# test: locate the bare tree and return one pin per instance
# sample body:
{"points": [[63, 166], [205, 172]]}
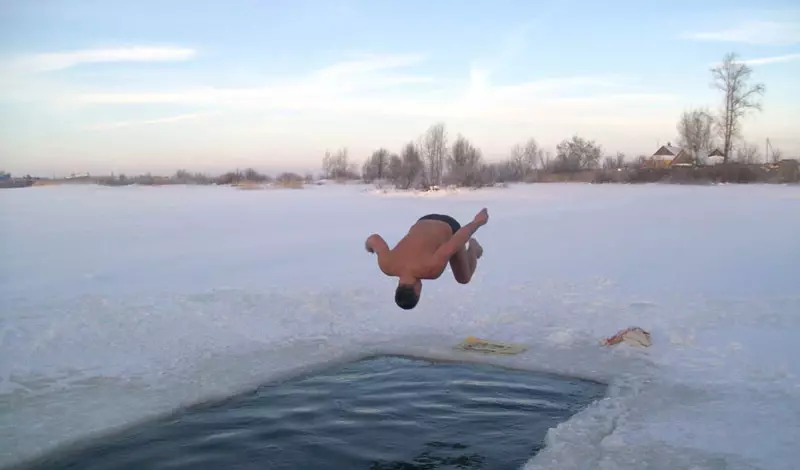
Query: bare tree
{"points": [[407, 169], [464, 163], [524, 158], [503, 172], [290, 177], [577, 154], [613, 163], [338, 165], [695, 131], [747, 153], [328, 165], [434, 152], [376, 166], [777, 154], [182, 176], [251, 174], [516, 162], [395, 168], [488, 174], [229, 178], [546, 159], [731, 77]]}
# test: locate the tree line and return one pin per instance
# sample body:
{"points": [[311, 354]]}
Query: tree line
{"points": [[432, 160], [248, 175]]}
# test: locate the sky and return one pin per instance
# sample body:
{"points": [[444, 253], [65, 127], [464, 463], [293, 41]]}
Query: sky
{"points": [[120, 86]]}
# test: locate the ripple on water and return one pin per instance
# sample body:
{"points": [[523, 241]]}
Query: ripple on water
{"points": [[385, 413]]}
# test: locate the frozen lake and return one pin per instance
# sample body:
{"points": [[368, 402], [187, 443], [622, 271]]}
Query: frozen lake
{"points": [[119, 304]]}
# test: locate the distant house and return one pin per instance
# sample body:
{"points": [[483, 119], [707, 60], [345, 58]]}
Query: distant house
{"points": [[787, 170], [669, 155], [714, 157]]}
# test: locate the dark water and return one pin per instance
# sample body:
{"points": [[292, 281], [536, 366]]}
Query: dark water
{"points": [[385, 413]]}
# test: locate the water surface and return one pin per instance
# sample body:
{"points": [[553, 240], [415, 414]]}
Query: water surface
{"points": [[376, 414]]}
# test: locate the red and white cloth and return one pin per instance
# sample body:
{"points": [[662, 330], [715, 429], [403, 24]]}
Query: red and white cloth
{"points": [[634, 336]]}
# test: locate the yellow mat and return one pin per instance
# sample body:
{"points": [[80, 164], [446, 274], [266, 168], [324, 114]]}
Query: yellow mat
{"points": [[490, 347]]}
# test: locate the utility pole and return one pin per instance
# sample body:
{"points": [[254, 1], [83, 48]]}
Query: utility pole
{"points": [[767, 151]]}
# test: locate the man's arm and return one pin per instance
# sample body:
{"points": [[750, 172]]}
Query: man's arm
{"points": [[460, 238], [376, 244], [456, 242]]}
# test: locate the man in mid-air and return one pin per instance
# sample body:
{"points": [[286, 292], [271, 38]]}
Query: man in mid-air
{"points": [[432, 242]]}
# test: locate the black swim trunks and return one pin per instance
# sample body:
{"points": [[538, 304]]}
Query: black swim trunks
{"points": [[453, 223]]}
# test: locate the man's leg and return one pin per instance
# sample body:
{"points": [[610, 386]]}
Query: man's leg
{"points": [[464, 262]]}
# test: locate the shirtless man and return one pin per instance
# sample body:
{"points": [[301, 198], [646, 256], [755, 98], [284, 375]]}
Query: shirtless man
{"points": [[432, 242]]}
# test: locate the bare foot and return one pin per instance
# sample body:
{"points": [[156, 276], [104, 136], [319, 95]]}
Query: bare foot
{"points": [[477, 247]]}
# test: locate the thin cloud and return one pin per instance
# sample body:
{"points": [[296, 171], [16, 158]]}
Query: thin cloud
{"points": [[516, 39], [499, 103], [164, 120], [753, 32], [610, 99], [369, 63], [343, 79], [547, 86], [772, 60], [386, 85], [764, 60], [367, 71], [63, 60], [511, 47]]}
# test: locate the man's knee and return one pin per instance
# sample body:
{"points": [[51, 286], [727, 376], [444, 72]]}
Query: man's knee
{"points": [[462, 277]]}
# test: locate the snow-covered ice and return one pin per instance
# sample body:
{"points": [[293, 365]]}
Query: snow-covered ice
{"points": [[122, 303]]}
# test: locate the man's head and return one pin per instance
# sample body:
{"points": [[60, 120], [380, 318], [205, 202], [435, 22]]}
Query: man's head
{"points": [[407, 294]]}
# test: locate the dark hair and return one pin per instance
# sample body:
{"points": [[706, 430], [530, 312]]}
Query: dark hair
{"points": [[405, 297]]}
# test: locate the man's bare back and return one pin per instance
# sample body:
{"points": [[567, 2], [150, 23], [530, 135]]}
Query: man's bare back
{"points": [[425, 251]]}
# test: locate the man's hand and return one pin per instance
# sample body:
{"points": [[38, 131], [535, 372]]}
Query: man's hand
{"points": [[375, 243], [482, 217]]}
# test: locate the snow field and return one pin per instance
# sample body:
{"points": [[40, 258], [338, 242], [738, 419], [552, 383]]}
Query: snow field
{"points": [[123, 303]]}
